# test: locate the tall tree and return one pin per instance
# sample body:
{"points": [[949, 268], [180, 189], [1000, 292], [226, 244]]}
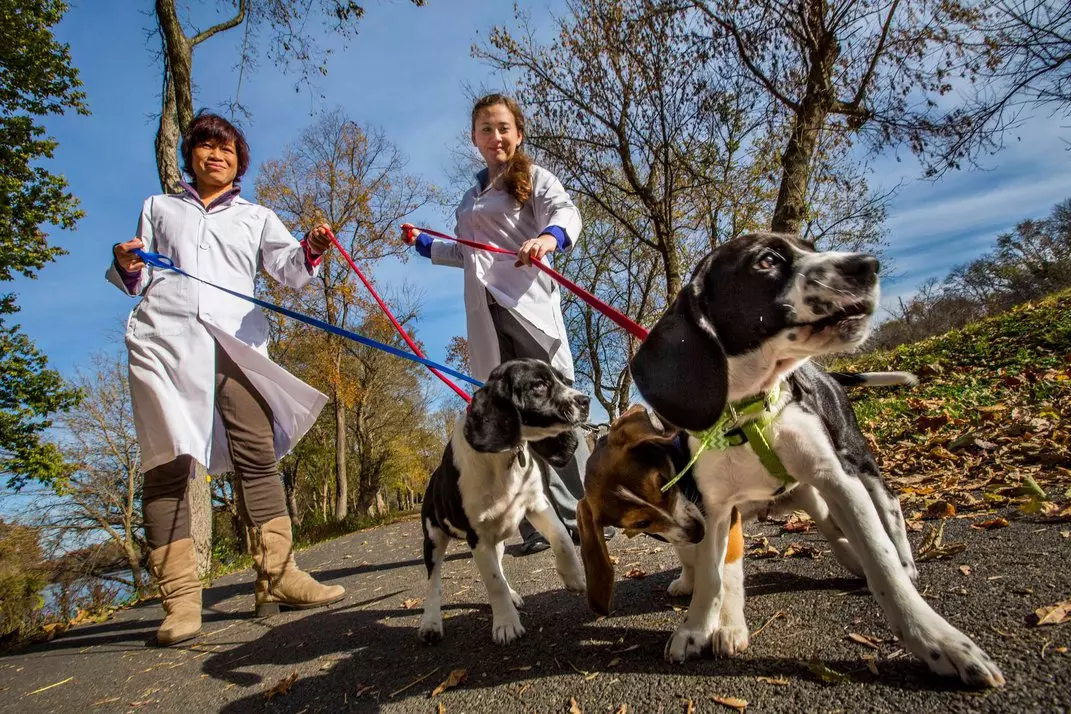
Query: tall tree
{"points": [[102, 493], [355, 180], [36, 80], [867, 69], [1028, 47], [293, 29]]}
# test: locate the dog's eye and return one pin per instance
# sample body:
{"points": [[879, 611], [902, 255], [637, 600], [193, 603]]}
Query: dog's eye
{"points": [[768, 260], [539, 388], [640, 525]]}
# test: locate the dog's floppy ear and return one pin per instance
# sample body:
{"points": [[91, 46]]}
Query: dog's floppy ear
{"points": [[492, 423], [681, 369], [598, 569], [557, 450]]}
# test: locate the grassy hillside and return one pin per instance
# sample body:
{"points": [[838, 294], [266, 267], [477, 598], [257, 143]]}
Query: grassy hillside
{"points": [[988, 425]]}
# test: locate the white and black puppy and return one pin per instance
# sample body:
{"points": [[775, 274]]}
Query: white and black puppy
{"points": [[488, 481], [754, 312]]}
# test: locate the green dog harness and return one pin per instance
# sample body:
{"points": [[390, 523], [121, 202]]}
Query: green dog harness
{"points": [[757, 413]]}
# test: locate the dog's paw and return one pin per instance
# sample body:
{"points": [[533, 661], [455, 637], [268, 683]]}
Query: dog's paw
{"points": [[431, 631], [912, 572], [518, 601], [686, 644], [574, 580], [948, 651], [680, 586], [506, 630], [729, 640]]}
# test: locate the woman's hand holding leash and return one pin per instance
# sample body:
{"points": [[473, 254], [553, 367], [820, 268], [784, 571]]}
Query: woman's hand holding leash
{"points": [[125, 256], [320, 238], [409, 233], [535, 249]]}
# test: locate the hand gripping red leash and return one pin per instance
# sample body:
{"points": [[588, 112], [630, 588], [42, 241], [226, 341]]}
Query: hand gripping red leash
{"points": [[621, 320], [390, 316]]}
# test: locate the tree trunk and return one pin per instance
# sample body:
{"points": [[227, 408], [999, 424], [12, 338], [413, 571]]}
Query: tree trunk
{"points": [[133, 561], [199, 493], [176, 112], [671, 262], [342, 487], [791, 208]]}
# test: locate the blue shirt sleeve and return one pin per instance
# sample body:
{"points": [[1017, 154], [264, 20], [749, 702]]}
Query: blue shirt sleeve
{"points": [[559, 235], [423, 245]]}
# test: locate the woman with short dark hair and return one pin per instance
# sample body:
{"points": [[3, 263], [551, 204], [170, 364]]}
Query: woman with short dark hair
{"points": [[202, 386]]}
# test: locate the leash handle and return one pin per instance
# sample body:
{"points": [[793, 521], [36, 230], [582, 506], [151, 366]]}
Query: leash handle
{"points": [[390, 316], [620, 319], [156, 260]]}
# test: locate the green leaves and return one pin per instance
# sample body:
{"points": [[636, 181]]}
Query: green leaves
{"points": [[36, 79]]}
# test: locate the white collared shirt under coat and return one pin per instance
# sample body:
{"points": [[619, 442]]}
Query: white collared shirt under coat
{"points": [[493, 216], [172, 332]]}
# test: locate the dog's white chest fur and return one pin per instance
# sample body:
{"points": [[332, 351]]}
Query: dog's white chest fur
{"points": [[497, 490]]}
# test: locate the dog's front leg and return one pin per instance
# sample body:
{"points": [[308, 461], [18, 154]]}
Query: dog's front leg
{"points": [[807, 497], [565, 559], [926, 634], [431, 621], [506, 622], [693, 636], [686, 582]]}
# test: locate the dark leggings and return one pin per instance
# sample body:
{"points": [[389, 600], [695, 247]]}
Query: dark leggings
{"points": [[251, 441]]}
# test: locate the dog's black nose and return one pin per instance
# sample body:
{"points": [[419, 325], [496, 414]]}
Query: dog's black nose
{"points": [[696, 530], [860, 267], [583, 400]]}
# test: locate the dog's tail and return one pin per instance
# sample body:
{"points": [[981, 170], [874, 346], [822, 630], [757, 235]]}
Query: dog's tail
{"points": [[874, 379]]}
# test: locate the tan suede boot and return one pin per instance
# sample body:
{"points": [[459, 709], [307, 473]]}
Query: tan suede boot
{"points": [[280, 583], [175, 568]]}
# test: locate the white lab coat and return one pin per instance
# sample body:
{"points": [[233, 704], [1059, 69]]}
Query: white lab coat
{"points": [[172, 332], [493, 216]]}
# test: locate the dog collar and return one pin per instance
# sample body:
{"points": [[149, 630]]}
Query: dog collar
{"points": [[746, 421]]}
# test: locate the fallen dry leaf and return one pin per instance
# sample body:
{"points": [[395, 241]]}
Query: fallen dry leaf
{"points": [[824, 673], [871, 664], [779, 681], [991, 523], [441, 709], [801, 550], [863, 640], [689, 707], [411, 603], [939, 509], [798, 523], [933, 549], [965, 569], [1053, 614], [732, 702], [636, 574], [763, 549], [453, 679], [574, 708], [623, 709], [281, 687]]}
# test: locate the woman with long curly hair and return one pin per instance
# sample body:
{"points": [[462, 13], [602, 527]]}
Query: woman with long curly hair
{"points": [[513, 310]]}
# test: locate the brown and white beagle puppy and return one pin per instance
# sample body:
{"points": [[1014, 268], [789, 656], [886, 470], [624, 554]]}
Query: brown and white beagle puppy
{"points": [[751, 317], [623, 488]]}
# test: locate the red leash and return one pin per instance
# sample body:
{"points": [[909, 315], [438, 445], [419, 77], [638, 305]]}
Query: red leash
{"points": [[621, 320], [390, 316]]}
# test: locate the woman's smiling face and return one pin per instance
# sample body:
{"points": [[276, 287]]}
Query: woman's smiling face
{"points": [[215, 163], [495, 135]]}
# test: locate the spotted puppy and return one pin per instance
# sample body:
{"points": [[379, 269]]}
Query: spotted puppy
{"points": [[488, 481], [753, 314]]}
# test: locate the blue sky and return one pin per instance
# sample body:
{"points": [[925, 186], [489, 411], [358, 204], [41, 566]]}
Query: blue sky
{"points": [[406, 72]]}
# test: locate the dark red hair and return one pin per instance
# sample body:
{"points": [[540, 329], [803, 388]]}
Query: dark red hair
{"points": [[208, 128]]}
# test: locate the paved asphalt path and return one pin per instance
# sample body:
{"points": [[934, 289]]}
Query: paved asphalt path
{"points": [[363, 654]]}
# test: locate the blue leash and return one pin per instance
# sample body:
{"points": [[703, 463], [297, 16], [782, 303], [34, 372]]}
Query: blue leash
{"points": [[163, 262]]}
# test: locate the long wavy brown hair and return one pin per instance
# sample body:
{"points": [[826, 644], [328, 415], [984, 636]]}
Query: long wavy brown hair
{"points": [[518, 175]]}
